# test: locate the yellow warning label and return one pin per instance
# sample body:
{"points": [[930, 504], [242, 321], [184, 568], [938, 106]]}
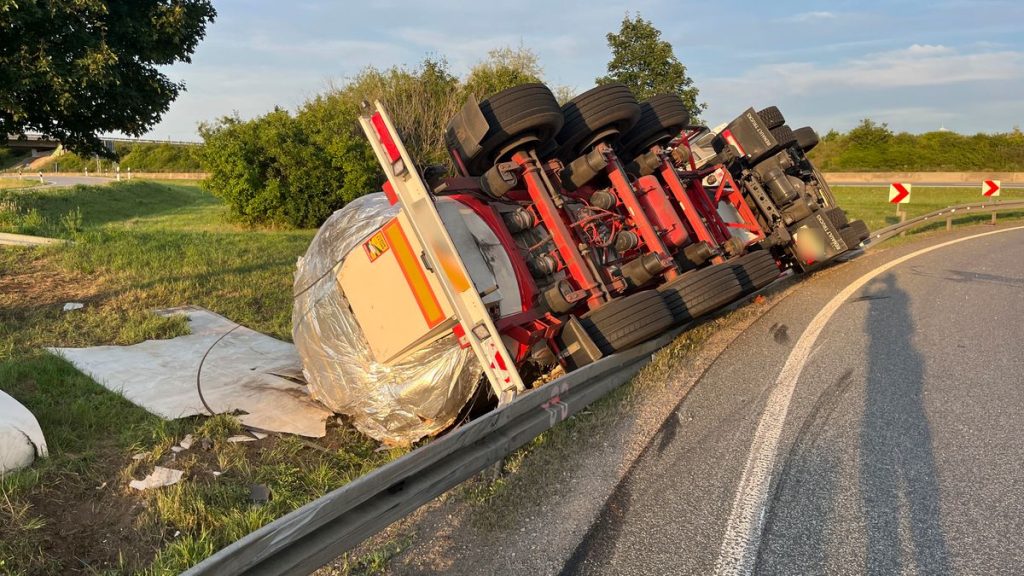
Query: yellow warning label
{"points": [[376, 245]]}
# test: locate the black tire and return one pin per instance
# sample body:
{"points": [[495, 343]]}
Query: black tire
{"points": [[700, 292], [784, 136], [661, 119], [854, 233], [528, 110], [627, 321], [610, 109], [838, 217], [755, 270], [771, 117], [806, 138]]}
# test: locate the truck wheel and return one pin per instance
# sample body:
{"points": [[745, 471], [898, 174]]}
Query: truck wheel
{"points": [[661, 119], [627, 321], [771, 117], [838, 217], [806, 138], [528, 110], [854, 233], [601, 112], [699, 292], [755, 270], [784, 136]]}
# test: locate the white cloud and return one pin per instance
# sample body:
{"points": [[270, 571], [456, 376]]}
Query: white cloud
{"points": [[915, 88], [811, 16], [917, 65]]}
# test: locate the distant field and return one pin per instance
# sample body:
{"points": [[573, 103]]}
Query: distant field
{"points": [[871, 204]]}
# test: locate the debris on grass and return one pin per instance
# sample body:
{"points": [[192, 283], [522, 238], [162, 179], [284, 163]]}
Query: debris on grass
{"points": [[186, 442], [69, 306], [241, 438], [158, 478]]}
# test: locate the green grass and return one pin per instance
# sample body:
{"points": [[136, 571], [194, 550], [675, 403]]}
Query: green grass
{"points": [[139, 246], [871, 204], [6, 183]]}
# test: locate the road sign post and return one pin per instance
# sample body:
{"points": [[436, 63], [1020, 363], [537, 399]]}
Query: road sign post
{"points": [[990, 189], [899, 193]]}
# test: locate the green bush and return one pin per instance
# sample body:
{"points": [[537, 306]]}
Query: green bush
{"points": [[297, 169], [873, 147], [139, 156], [272, 169]]}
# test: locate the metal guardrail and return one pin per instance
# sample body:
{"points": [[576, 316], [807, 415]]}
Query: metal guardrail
{"points": [[313, 535], [322, 530], [947, 214]]}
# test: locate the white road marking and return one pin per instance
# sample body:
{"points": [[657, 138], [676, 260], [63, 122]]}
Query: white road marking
{"points": [[742, 536]]}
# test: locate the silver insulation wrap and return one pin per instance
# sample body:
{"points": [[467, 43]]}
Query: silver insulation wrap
{"points": [[419, 395]]}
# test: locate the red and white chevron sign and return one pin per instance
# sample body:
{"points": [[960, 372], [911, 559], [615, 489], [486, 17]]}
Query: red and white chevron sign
{"points": [[990, 188], [899, 193]]}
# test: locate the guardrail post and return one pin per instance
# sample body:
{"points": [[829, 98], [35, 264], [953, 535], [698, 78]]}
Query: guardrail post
{"points": [[903, 218], [949, 223], [993, 218]]}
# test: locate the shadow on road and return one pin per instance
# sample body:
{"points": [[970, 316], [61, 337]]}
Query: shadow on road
{"points": [[898, 480]]}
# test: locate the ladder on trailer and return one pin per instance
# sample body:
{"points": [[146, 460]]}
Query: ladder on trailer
{"points": [[414, 198]]}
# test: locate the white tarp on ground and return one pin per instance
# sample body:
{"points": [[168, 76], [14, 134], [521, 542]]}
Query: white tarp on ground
{"points": [[242, 373], [21, 438]]}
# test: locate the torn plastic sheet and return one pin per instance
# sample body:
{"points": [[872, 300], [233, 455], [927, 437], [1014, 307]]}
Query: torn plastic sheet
{"points": [[21, 438], [240, 374], [159, 478], [399, 403]]}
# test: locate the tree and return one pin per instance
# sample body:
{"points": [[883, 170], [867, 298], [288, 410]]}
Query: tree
{"points": [[646, 63], [73, 68], [502, 69]]}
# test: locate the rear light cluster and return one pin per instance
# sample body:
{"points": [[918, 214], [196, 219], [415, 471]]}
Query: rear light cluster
{"points": [[390, 148]]}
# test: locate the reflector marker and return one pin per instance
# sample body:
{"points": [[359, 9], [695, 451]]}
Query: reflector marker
{"points": [[414, 275]]}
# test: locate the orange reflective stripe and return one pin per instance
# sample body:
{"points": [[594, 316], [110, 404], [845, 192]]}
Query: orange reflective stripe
{"points": [[414, 274]]}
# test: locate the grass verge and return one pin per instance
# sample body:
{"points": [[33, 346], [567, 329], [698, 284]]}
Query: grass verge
{"points": [[8, 183], [139, 246], [871, 204]]}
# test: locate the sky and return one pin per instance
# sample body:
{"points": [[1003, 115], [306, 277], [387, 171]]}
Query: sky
{"points": [[917, 65]]}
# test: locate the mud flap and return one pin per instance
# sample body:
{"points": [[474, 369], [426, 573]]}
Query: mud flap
{"points": [[577, 348]]}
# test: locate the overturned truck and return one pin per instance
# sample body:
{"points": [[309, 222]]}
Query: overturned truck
{"points": [[569, 233]]}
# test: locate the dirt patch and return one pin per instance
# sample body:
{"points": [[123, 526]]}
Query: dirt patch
{"points": [[92, 528], [29, 283], [79, 520]]}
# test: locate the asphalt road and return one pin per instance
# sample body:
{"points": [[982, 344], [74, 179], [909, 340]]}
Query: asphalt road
{"points": [[58, 181], [899, 450], [55, 181]]}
